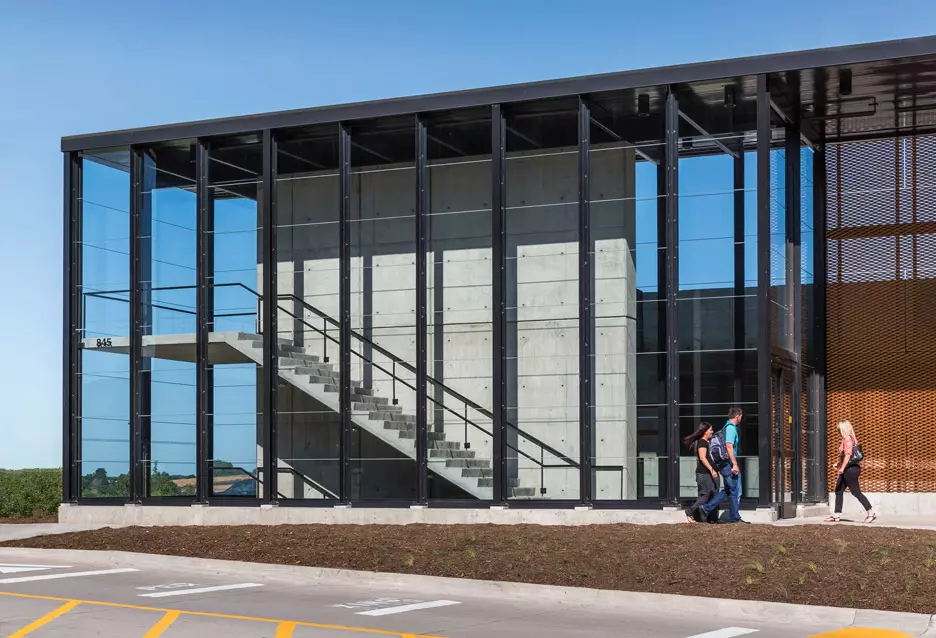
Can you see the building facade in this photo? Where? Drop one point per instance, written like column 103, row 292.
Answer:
column 521, row 296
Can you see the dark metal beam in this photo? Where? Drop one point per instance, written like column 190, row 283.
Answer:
column 499, row 300
column 764, row 377
column 672, row 289
column 716, row 141
column 422, row 300
column 344, row 329
column 840, row 56
column 137, row 470
column 204, row 308
column 794, row 288
column 71, row 315
column 269, row 373
column 586, row 307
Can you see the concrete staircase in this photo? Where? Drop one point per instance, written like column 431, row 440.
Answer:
column 305, row 370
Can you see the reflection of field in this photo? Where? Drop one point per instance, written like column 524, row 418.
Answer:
column 220, row 482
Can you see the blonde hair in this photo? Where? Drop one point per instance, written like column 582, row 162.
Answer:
column 846, row 430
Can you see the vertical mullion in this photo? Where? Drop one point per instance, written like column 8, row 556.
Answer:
column 586, row 327
column 203, row 297
column 344, row 330
column 672, row 287
column 136, row 328
column 740, row 300
column 422, row 222
column 271, row 335
column 795, row 303
column 764, row 379
column 499, row 301
column 820, row 275
column 69, row 346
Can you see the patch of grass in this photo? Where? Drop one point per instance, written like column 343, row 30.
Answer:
column 883, row 555
column 841, row 546
column 812, row 567
column 929, row 561
column 410, row 561
column 782, row 549
column 755, row 566
column 910, row 581
column 750, row 580
column 472, row 554
column 801, row 579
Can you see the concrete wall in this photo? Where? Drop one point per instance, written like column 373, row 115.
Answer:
column 542, row 225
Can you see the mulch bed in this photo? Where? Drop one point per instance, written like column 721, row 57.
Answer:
column 862, row 567
column 18, row 520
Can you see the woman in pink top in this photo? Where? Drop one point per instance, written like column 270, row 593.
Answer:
column 848, row 474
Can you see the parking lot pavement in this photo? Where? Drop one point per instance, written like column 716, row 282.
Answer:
column 86, row 598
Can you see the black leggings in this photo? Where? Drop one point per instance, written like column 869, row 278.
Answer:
column 849, row 479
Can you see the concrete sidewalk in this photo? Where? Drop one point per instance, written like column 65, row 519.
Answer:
column 20, row 531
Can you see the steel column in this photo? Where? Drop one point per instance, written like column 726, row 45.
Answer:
column 422, row 299
column 672, row 288
column 764, row 378
column 204, row 298
column 740, row 300
column 820, row 276
column 137, row 478
column 499, row 300
column 794, row 286
column 70, row 317
column 586, row 307
column 344, row 330
column 270, row 376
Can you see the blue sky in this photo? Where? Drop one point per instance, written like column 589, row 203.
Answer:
column 68, row 68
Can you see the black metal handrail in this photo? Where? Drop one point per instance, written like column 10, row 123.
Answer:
column 411, row 368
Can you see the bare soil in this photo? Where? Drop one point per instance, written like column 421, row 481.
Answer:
column 841, row 566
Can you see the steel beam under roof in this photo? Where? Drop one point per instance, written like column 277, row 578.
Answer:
column 698, row 72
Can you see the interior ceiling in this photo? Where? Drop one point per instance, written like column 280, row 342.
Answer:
column 887, row 98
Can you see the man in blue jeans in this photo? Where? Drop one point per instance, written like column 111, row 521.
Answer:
column 730, row 472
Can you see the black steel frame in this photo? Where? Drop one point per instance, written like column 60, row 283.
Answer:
column 499, row 100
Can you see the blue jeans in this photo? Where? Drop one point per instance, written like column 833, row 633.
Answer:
column 731, row 492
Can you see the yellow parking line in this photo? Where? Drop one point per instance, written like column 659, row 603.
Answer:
column 163, row 624
column 285, row 630
column 861, row 632
column 45, row 620
column 202, row 614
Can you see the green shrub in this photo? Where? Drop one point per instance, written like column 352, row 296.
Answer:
column 26, row 493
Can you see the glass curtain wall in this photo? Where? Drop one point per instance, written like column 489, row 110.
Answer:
column 626, row 156
column 235, row 333
column 103, row 384
column 459, row 306
column 383, row 310
column 542, row 300
column 307, row 236
column 717, row 271
column 167, row 298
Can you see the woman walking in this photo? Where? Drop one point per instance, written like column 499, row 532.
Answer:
column 706, row 475
column 849, row 469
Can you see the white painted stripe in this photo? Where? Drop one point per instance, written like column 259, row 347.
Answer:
column 199, row 590
column 386, row 611
column 102, row 572
column 13, row 568
column 728, row 632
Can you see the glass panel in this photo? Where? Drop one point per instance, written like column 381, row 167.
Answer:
column 235, row 333
column 717, row 294
column 383, row 310
column 168, row 261
column 104, row 386
column 307, row 237
column 627, row 150
column 542, row 217
column 459, row 309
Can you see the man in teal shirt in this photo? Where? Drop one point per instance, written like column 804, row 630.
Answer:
column 730, row 471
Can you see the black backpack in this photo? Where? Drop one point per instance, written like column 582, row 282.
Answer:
column 718, row 450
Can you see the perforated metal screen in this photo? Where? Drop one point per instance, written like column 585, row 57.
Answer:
column 881, row 307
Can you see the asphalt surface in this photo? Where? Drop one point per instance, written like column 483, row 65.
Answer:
column 87, row 598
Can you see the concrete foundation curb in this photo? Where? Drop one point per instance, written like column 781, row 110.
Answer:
column 639, row 602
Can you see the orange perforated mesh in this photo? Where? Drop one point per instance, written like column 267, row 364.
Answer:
column 881, row 307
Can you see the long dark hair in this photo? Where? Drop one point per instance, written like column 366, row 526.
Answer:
column 693, row 439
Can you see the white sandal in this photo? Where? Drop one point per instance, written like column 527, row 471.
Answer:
column 835, row 518
column 870, row 518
